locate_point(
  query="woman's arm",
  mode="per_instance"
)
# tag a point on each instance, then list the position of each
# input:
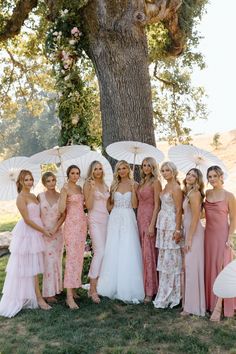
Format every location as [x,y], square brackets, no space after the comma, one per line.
[178,200]
[232,216]
[88,190]
[22,207]
[195,205]
[157,191]
[110,204]
[62,199]
[134,199]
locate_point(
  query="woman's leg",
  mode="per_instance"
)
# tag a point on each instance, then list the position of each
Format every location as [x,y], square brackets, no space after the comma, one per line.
[41,302]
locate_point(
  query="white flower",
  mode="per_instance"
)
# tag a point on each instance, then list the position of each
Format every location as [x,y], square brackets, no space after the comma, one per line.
[55,33]
[67,77]
[72,42]
[60,33]
[63,71]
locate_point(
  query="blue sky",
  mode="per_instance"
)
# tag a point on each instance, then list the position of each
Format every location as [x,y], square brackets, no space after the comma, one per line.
[219,78]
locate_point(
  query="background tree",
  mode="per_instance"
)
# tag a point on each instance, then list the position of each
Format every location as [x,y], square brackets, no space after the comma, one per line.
[216,141]
[113,36]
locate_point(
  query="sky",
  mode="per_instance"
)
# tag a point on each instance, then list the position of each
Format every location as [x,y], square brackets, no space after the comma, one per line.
[219,78]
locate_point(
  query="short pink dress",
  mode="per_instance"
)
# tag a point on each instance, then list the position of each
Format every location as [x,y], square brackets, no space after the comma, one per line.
[26,261]
[75,232]
[217,255]
[52,276]
[97,220]
[148,244]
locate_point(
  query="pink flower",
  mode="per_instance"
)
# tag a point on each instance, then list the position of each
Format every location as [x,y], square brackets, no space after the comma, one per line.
[74,30]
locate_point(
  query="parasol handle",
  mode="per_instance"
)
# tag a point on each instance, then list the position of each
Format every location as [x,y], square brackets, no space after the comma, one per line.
[62,169]
[134,161]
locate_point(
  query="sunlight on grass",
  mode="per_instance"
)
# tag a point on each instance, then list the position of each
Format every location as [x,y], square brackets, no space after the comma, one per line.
[8,222]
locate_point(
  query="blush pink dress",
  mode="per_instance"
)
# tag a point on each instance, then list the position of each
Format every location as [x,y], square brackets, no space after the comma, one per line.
[148,244]
[217,255]
[97,220]
[75,232]
[26,261]
[52,276]
[194,299]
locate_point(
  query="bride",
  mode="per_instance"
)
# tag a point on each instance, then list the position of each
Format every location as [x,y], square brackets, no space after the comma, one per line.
[121,274]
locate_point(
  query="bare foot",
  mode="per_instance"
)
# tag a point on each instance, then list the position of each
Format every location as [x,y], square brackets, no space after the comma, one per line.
[184,313]
[51,299]
[95,298]
[147,299]
[70,302]
[75,295]
[43,305]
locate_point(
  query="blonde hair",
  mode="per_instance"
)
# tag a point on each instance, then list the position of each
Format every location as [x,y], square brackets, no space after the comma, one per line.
[154,172]
[45,177]
[218,170]
[20,179]
[199,185]
[173,169]
[116,177]
[91,169]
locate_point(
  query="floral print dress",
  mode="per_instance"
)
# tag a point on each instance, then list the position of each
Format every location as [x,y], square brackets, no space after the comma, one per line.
[169,256]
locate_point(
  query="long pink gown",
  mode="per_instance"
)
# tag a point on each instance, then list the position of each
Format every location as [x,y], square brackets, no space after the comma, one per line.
[52,276]
[148,244]
[97,220]
[194,302]
[217,255]
[26,261]
[75,232]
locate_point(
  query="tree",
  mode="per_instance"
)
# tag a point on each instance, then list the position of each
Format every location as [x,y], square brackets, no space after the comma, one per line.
[114,38]
[216,141]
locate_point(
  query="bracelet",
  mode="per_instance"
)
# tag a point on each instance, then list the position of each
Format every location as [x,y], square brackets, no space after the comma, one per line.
[178,231]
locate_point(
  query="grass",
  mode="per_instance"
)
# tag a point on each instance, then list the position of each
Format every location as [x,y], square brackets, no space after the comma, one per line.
[8,222]
[112,328]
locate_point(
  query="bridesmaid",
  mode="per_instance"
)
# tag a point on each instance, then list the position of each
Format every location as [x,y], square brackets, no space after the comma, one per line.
[75,231]
[96,195]
[148,207]
[220,225]
[21,286]
[169,240]
[52,220]
[194,298]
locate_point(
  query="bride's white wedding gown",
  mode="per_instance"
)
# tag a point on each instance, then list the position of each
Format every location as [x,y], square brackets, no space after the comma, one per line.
[121,274]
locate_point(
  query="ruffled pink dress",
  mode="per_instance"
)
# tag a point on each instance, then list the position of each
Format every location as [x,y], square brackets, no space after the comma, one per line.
[97,219]
[75,232]
[26,261]
[52,276]
[148,244]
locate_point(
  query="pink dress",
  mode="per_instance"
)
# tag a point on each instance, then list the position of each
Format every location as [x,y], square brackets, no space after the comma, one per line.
[52,276]
[194,302]
[75,232]
[149,251]
[217,255]
[97,219]
[26,261]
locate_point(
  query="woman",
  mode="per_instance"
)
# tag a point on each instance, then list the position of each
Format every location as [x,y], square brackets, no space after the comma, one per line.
[21,287]
[148,207]
[220,225]
[194,298]
[96,194]
[169,236]
[52,220]
[75,230]
[121,274]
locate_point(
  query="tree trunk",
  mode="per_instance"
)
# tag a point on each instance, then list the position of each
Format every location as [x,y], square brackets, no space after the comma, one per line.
[117,46]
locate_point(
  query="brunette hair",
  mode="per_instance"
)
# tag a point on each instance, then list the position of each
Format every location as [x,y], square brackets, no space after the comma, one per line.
[20,179]
[218,171]
[45,177]
[199,185]
[70,168]
[154,172]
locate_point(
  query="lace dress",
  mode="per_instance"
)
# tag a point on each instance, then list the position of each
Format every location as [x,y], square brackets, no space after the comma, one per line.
[169,257]
[121,274]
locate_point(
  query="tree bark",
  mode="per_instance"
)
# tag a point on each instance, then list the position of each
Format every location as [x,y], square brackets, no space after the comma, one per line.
[117,46]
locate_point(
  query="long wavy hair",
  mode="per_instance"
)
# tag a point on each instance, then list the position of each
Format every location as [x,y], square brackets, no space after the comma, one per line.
[90,174]
[21,178]
[198,186]
[218,170]
[173,169]
[116,177]
[154,173]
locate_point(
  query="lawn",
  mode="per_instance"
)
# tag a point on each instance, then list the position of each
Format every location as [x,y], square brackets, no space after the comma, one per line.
[112,327]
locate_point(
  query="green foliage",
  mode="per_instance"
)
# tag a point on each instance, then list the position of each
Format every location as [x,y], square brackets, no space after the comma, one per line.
[216,141]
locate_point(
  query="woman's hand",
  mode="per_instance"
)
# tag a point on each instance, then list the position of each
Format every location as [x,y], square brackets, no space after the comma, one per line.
[229,244]
[151,231]
[47,233]
[188,246]
[177,236]
[65,186]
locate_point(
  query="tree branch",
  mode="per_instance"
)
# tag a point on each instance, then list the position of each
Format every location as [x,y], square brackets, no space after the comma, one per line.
[20,14]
